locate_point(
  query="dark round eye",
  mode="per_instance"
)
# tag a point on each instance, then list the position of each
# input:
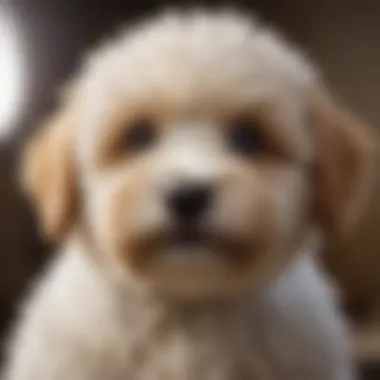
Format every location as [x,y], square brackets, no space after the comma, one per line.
[246,138]
[140,136]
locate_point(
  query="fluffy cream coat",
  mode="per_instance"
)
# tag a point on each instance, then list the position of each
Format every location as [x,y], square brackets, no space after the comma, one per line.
[120,300]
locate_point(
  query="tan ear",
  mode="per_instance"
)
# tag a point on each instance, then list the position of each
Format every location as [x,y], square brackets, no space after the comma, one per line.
[48,173]
[345,158]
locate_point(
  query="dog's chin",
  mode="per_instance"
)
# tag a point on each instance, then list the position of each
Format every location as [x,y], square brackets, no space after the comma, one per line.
[189,263]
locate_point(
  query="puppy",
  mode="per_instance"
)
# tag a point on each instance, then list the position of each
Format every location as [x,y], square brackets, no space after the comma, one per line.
[196,164]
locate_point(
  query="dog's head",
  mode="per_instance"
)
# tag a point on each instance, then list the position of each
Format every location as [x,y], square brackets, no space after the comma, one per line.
[198,152]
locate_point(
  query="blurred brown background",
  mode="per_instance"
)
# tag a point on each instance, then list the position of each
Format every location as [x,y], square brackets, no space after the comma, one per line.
[341,36]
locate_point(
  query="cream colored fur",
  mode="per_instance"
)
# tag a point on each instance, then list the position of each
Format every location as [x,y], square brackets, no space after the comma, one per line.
[108,310]
[78,326]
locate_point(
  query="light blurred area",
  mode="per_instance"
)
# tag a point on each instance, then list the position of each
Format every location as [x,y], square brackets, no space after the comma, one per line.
[41,42]
[13,80]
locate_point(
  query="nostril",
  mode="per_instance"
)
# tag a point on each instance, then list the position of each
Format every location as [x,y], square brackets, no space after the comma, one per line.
[189,202]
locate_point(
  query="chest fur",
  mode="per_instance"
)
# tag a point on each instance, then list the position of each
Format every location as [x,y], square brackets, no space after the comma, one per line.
[221,343]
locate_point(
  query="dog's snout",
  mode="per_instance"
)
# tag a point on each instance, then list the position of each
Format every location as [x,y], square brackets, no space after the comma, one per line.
[190,202]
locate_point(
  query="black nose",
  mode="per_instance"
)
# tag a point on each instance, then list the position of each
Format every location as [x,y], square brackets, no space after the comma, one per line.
[189,202]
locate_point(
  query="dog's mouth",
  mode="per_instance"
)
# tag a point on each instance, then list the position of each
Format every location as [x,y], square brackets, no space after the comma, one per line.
[192,242]
[187,238]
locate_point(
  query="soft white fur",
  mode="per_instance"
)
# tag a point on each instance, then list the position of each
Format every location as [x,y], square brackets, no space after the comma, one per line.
[80,327]
[83,324]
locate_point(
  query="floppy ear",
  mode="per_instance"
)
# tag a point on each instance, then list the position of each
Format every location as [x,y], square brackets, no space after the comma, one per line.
[345,158]
[48,173]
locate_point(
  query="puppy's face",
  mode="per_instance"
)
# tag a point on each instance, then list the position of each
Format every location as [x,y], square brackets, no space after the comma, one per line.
[196,149]
[194,197]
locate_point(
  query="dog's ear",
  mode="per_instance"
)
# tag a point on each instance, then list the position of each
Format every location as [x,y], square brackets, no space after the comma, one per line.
[48,172]
[345,159]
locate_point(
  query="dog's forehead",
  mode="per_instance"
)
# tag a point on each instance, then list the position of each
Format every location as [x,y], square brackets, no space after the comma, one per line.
[202,55]
[203,60]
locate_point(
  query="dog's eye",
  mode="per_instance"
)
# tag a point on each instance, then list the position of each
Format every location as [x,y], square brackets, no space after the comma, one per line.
[246,138]
[140,136]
